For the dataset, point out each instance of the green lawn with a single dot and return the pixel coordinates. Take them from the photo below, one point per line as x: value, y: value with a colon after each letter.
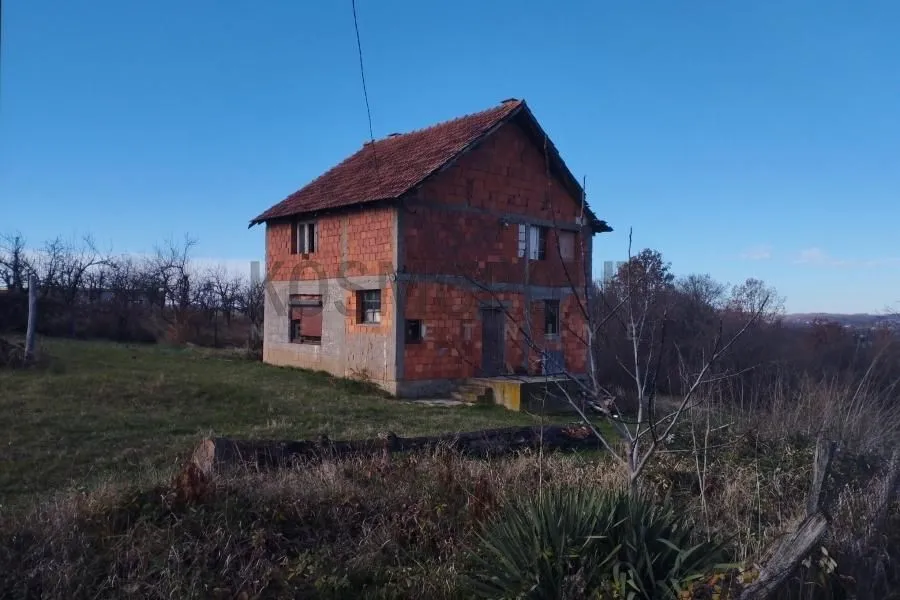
x: 102, y: 410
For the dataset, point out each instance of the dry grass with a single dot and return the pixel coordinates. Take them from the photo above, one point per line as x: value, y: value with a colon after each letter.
x: 360, y: 528
x: 847, y: 410
x: 339, y: 529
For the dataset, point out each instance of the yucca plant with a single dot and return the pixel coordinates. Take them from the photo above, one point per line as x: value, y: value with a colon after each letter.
x: 579, y: 543
x: 657, y: 549
x: 550, y: 546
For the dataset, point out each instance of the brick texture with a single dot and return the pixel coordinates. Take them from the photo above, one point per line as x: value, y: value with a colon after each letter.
x: 354, y: 324
x: 505, y: 174
x: 452, y: 344
x: 358, y: 242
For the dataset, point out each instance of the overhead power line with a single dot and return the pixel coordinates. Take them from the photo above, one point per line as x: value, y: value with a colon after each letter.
x: 362, y: 73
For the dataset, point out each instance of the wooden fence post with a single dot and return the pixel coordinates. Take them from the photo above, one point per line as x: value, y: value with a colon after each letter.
x: 32, y: 318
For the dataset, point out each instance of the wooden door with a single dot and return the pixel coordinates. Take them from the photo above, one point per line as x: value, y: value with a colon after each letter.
x: 492, y: 330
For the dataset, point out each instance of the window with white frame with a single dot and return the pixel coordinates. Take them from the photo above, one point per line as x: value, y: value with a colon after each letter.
x: 532, y: 241
x: 306, y: 237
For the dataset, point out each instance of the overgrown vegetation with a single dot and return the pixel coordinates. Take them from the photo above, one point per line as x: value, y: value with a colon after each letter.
x: 366, y: 529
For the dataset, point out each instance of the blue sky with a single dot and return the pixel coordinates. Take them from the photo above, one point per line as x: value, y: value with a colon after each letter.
x: 741, y: 139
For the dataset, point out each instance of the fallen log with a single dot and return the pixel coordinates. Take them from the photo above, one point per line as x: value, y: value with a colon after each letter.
x: 218, y: 452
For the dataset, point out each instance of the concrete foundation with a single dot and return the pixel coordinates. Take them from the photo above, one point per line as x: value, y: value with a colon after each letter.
x: 533, y: 394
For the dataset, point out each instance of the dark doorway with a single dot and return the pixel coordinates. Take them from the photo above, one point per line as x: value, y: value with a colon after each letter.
x: 492, y: 322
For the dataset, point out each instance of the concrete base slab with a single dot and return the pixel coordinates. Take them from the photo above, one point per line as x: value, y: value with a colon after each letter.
x: 548, y: 394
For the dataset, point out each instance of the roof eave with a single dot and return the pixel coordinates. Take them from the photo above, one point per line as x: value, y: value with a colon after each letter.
x: 266, y: 217
x: 600, y: 226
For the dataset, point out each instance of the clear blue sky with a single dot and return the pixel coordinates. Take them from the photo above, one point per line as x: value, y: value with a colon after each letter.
x: 738, y: 138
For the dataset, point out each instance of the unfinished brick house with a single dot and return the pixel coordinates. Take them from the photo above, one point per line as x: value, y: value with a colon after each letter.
x: 432, y: 257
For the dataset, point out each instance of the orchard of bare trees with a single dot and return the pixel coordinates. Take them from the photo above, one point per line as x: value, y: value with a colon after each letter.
x: 85, y: 291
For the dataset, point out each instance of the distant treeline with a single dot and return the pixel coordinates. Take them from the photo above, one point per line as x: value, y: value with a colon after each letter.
x: 83, y: 292
x: 678, y: 321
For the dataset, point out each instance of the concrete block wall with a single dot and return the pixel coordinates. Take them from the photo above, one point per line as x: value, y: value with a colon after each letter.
x: 348, y: 348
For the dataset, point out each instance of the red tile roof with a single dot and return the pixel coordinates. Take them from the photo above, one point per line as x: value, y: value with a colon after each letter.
x: 391, y: 166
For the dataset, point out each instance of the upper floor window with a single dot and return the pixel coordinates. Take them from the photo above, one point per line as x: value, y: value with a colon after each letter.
x: 533, y: 242
x: 567, y: 245
x: 306, y: 238
x: 369, y: 305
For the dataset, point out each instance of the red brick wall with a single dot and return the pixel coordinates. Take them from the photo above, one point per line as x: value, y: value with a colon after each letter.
x: 505, y: 174
x: 369, y: 249
x: 572, y: 338
x: 452, y: 347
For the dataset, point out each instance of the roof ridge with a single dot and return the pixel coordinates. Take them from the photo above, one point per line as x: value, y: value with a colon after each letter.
x: 512, y: 102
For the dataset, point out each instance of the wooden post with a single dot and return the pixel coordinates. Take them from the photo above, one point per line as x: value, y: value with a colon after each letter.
x: 32, y: 318
x: 821, y: 463
x: 788, y: 551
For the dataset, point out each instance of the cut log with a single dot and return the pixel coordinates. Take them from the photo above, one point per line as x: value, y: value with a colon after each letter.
x: 218, y: 452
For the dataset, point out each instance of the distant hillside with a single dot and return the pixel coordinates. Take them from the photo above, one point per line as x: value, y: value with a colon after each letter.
x: 858, y: 320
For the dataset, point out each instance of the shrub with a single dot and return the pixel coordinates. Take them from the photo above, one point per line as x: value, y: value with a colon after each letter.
x: 11, y: 355
x: 569, y: 543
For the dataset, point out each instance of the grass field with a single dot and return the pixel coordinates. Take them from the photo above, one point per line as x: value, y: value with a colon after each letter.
x: 102, y: 410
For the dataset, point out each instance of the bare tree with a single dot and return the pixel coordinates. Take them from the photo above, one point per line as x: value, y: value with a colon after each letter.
x: 130, y: 295
x: 702, y: 290
x: 754, y: 296
x: 64, y: 269
x: 171, y: 273
x: 627, y: 324
x: 14, y: 263
x: 641, y: 297
x: 250, y: 301
x: 226, y: 288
